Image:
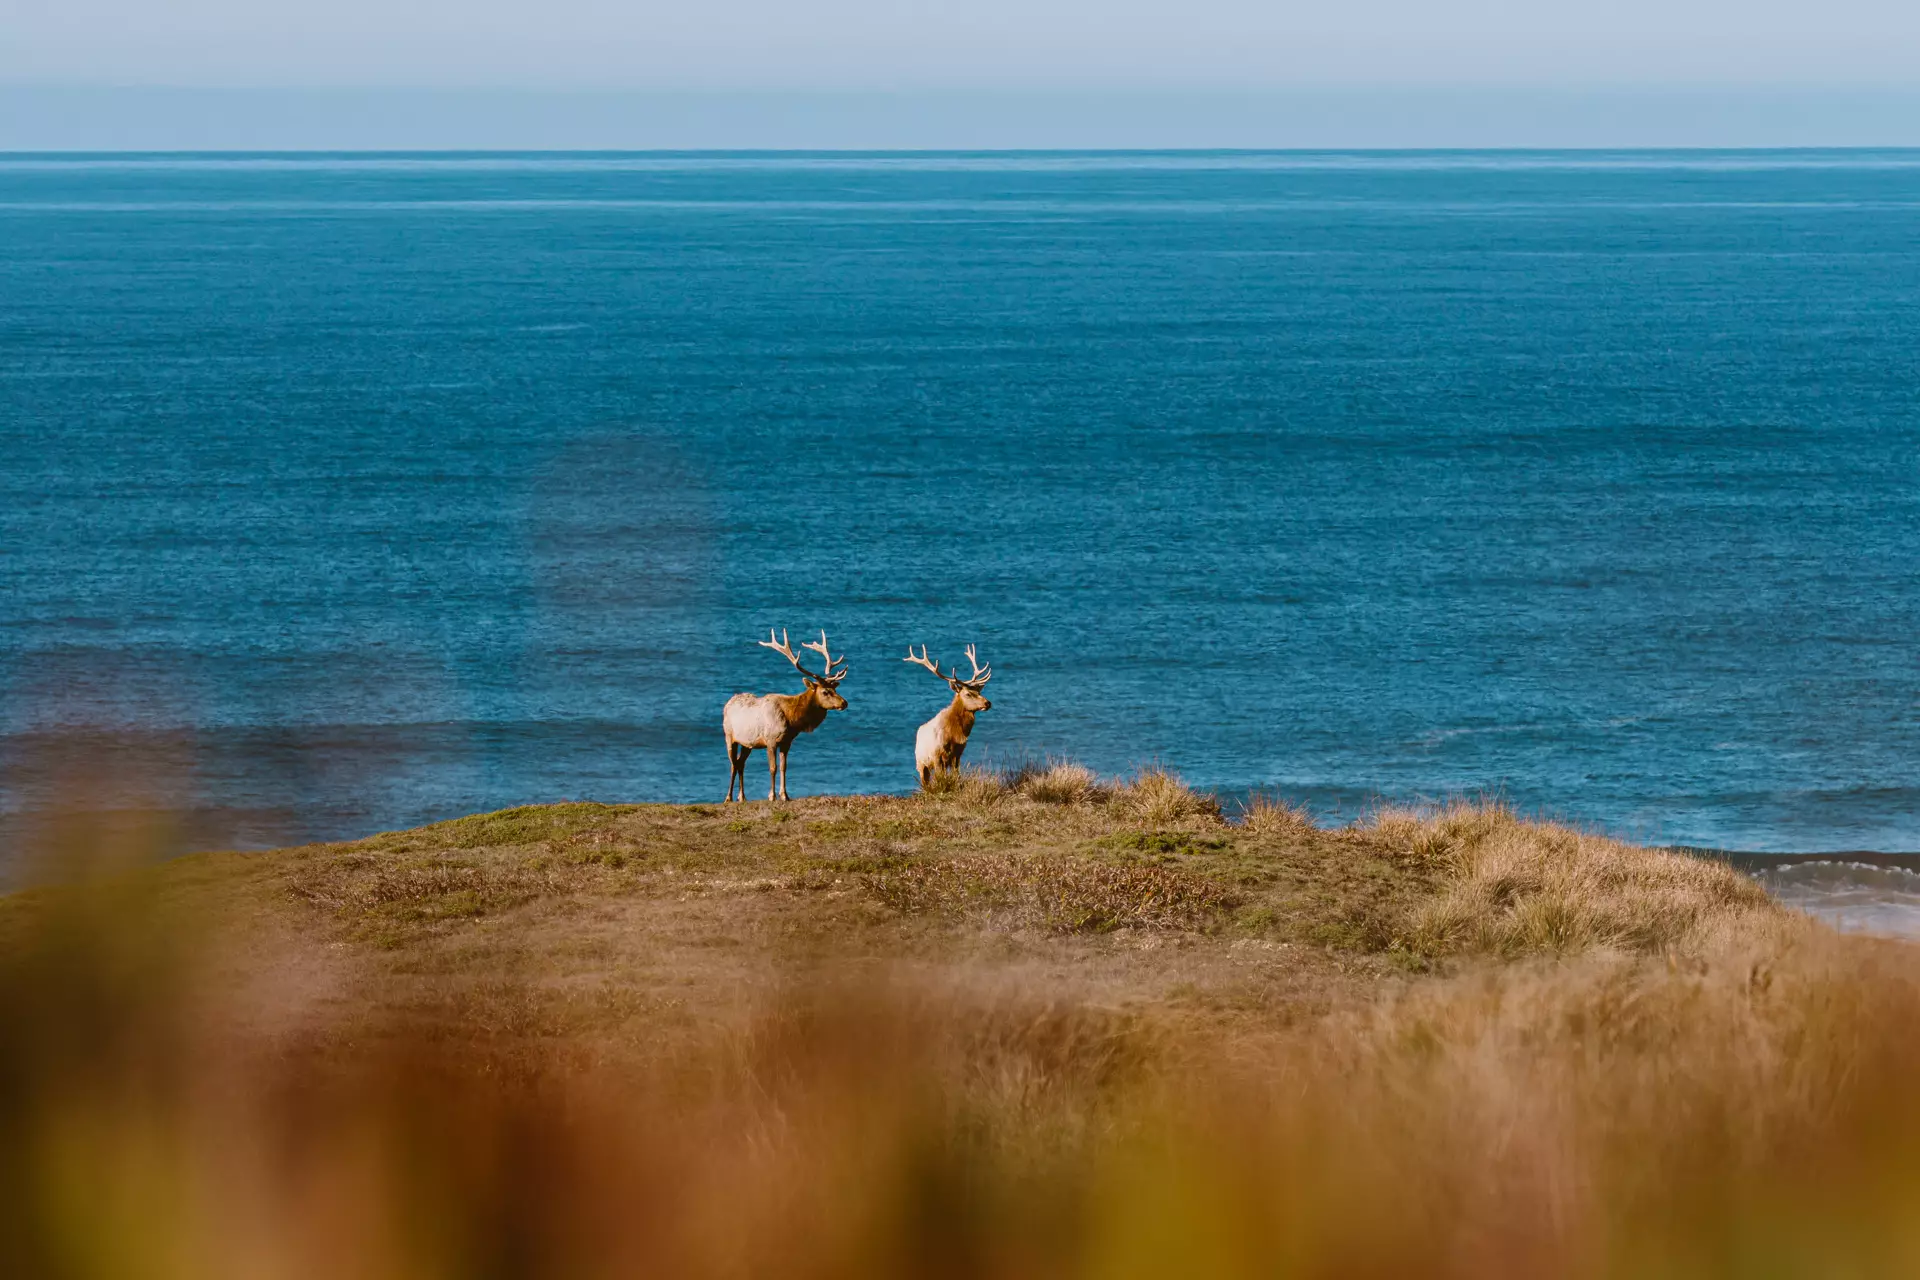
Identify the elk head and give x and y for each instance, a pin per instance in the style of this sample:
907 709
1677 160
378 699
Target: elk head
967 690
825 687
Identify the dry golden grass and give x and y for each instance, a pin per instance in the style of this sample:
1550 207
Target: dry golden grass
1059 782
1270 815
969 784
1511 887
1152 795
1074 896
967 1033
1158 795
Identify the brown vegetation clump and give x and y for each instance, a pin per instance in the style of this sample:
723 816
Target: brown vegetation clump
1511 887
1156 795
1058 782
968 785
1267 815
1153 795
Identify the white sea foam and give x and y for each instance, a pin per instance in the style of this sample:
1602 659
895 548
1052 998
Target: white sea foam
1855 896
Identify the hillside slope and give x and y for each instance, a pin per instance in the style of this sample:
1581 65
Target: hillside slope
1029 1025
618 928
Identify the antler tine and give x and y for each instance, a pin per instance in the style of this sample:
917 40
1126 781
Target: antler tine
980 674
785 650
922 660
828 658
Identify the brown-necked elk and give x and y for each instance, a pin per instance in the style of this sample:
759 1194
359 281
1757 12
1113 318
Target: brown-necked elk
774 720
938 746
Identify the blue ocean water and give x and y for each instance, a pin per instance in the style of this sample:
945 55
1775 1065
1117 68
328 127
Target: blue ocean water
346 492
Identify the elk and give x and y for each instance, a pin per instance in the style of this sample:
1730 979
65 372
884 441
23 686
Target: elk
774 720
941 740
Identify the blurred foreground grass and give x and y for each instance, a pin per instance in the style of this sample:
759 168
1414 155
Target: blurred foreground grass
1033 1025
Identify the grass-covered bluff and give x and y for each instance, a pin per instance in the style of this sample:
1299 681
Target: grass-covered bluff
1139 895
1147 857
1025 1025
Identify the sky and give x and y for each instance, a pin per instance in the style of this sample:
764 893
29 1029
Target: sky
1837 70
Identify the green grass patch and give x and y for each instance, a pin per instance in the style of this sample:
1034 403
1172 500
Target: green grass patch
1059 895
529 824
1163 843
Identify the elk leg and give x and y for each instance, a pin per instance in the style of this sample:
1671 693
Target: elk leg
773 774
783 773
735 759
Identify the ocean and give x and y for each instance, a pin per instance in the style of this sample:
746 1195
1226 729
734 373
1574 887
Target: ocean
347 492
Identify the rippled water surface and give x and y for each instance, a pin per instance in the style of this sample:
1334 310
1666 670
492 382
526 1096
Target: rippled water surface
355 491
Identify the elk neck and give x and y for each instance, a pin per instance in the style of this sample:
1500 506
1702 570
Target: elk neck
803 710
959 718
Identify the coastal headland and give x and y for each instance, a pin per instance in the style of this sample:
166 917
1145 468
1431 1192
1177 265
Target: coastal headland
1027 1023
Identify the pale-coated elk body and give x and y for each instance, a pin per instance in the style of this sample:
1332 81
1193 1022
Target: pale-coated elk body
773 720
941 741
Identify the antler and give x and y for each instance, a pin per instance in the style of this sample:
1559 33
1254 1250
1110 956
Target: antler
832 677
980 674
922 660
781 647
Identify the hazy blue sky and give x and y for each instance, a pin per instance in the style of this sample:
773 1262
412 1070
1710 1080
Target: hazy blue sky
893 44
275 48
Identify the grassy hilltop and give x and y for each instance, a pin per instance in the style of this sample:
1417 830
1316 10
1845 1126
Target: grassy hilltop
1029 1025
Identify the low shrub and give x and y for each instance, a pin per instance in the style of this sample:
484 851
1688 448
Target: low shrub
1266 815
1158 796
968 785
1058 782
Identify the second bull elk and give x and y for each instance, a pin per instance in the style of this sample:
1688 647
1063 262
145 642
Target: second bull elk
941 741
774 720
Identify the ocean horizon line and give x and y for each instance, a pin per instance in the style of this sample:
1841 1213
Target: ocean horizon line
749 152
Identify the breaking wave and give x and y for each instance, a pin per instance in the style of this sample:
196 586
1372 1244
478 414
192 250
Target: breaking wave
1880 897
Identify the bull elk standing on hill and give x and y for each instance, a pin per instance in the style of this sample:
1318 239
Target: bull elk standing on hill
774 720
938 746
